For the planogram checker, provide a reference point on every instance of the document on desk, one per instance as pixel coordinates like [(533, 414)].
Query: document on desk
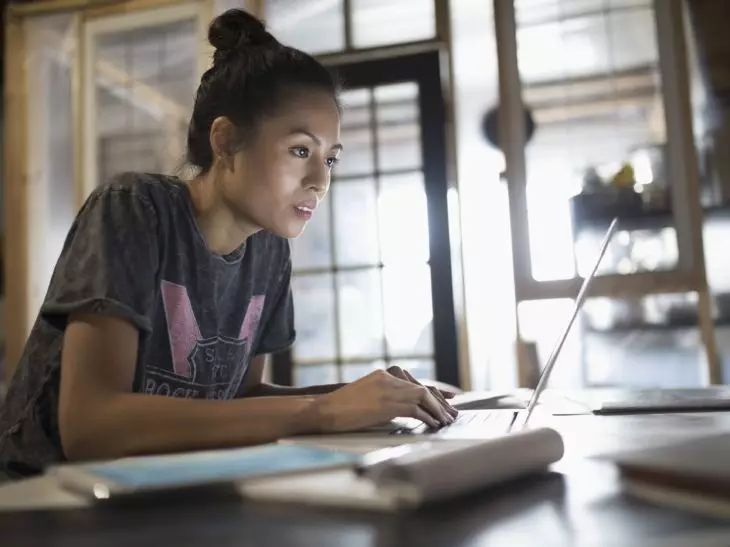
[(412, 475), (693, 474)]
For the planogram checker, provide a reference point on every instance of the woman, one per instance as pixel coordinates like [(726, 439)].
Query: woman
[(168, 295)]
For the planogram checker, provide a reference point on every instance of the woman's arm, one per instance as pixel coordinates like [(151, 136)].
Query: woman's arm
[(100, 417), (254, 385)]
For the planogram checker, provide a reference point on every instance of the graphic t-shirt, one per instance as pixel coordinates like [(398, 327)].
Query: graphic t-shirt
[(135, 252)]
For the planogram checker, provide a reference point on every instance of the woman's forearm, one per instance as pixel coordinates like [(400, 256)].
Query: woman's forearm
[(268, 390), (132, 424)]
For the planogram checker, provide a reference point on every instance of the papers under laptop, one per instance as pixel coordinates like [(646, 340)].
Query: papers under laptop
[(470, 424)]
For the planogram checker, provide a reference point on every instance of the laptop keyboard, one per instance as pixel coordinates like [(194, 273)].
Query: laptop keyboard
[(474, 419)]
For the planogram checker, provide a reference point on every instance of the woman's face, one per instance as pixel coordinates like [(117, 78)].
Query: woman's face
[(277, 181)]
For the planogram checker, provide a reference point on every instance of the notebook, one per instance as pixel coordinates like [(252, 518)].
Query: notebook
[(143, 474)]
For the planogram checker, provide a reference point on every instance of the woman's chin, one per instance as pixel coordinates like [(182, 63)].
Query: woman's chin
[(291, 230)]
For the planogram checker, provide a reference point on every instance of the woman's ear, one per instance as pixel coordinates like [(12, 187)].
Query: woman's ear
[(222, 140)]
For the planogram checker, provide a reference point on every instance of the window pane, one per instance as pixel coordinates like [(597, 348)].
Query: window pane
[(399, 128), (310, 375), (588, 44), (360, 313), (590, 75), (403, 212), (401, 92), (355, 371), (355, 108), (313, 249), (408, 310), (629, 251), (399, 146), (532, 12), (356, 222), (541, 323), (51, 45), (314, 319), (310, 25), (380, 22), (356, 120), (144, 81), (651, 341), (357, 157), (420, 369), (632, 36)]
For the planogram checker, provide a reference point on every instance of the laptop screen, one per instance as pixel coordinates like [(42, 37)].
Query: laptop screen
[(580, 299)]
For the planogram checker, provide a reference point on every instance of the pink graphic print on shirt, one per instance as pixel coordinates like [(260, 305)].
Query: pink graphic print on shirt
[(187, 346)]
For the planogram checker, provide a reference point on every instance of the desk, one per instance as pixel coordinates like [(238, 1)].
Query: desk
[(577, 504)]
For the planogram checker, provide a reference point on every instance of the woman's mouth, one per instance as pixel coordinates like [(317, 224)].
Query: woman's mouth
[(304, 212)]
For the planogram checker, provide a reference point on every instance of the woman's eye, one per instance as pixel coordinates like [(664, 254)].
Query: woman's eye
[(300, 151), (331, 162)]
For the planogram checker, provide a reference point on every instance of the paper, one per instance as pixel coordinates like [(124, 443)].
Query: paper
[(445, 470), (430, 471)]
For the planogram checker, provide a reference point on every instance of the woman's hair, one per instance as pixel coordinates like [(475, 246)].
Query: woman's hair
[(251, 77)]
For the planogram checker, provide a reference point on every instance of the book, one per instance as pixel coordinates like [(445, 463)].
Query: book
[(691, 475)]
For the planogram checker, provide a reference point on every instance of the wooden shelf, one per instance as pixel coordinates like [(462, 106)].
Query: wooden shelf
[(689, 323), (648, 220)]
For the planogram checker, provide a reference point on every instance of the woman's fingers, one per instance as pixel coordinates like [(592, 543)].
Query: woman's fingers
[(431, 405), (450, 409), (452, 412), (415, 411), (415, 394)]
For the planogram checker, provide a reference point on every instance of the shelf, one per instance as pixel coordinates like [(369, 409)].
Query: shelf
[(646, 220), (657, 327)]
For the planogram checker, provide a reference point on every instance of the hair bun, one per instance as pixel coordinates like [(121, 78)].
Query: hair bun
[(235, 30)]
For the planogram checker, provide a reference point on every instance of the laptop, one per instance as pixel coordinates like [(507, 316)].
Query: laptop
[(471, 424), (655, 400)]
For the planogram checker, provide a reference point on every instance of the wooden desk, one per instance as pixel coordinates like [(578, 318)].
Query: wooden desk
[(578, 504)]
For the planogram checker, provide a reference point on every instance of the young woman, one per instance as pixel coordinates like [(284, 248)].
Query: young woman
[(168, 295)]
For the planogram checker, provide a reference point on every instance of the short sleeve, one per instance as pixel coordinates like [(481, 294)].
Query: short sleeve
[(109, 261), (278, 334)]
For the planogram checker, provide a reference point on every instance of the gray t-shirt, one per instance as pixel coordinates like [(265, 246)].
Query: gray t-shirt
[(135, 251)]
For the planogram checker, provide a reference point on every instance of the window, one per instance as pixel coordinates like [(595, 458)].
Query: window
[(590, 77), (141, 74), (374, 263), (326, 26)]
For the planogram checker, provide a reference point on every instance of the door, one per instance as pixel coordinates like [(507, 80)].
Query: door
[(372, 275)]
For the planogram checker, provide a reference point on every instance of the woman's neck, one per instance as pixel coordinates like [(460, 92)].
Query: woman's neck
[(222, 231)]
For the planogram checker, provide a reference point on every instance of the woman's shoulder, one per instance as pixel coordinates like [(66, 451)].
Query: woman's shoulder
[(146, 194), (145, 186)]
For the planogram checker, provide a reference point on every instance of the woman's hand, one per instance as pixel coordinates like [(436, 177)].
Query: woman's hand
[(379, 397)]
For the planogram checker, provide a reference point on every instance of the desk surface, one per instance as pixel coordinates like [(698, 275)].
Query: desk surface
[(579, 503)]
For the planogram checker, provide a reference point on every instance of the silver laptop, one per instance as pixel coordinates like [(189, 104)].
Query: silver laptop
[(477, 424)]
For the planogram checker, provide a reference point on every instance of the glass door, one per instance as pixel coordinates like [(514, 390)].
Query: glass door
[(372, 273)]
